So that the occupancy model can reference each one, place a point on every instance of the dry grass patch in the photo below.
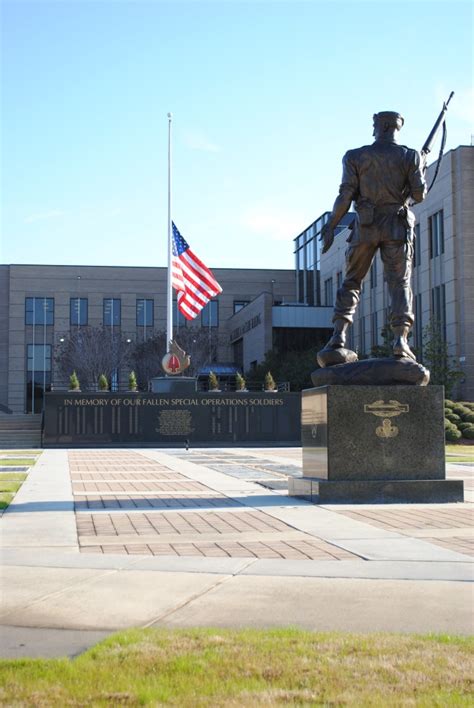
(206, 667)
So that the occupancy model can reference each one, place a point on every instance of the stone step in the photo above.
(17, 423)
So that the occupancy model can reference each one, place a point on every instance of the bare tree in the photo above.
(146, 358)
(92, 351)
(200, 343)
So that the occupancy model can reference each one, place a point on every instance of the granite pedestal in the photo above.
(374, 444)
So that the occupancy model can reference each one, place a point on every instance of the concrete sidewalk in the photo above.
(100, 540)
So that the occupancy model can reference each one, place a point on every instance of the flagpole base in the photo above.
(173, 384)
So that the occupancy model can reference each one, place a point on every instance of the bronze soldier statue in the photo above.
(381, 179)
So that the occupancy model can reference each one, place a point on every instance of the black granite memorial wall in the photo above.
(160, 420)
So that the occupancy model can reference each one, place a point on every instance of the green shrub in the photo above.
(460, 409)
(448, 403)
(468, 404)
(448, 424)
(213, 382)
(132, 381)
(103, 383)
(240, 384)
(452, 434)
(468, 432)
(463, 426)
(74, 382)
(453, 418)
(270, 384)
(468, 418)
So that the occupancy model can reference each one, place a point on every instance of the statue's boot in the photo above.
(339, 336)
(335, 351)
(400, 344)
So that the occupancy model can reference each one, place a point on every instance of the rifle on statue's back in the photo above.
(426, 149)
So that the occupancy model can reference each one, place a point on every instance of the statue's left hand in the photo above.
(327, 237)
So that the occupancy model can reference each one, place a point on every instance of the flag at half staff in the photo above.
(194, 282)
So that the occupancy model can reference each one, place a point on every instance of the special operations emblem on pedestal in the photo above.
(175, 361)
(386, 411)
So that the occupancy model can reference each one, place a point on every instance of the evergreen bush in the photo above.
(448, 403)
(468, 432)
(452, 434)
(240, 384)
(460, 410)
(453, 417)
(213, 382)
(463, 426)
(103, 383)
(469, 418)
(132, 381)
(74, 382)
(270, 384)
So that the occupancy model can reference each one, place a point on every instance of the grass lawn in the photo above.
(12, 477)
(5, 499)
(10, 482)
(460, 449)
(9, 452)
(216, 667)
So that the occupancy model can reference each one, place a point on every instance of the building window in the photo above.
(39, 310)
(373, 274)
(375, 329)
(436, 231)
(239, 305)
(114, 380)
(210, 314)
(339, 279)
(78, 309)
(144, 313)
(112, 312)
(238, 348)
(38, 376)
(438, 307)
(328, 295)
(179, 320)
(417, 247)
(362, 335)
(418, 331)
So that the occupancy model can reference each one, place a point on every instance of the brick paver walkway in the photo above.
(451, 527)
(135, 495)
(127, 503)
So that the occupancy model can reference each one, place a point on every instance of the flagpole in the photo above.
(169, 311)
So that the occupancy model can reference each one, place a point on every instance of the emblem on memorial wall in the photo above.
(386, 411)
(175, 361)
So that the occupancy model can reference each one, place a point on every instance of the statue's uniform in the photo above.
(380, 178)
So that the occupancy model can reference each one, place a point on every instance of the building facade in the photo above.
(443, 272)
(40, 304)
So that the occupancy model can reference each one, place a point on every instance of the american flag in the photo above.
(191, 278)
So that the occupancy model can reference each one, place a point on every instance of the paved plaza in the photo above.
(100, 540)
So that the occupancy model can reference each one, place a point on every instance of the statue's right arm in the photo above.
(347, 193)
(347, 190)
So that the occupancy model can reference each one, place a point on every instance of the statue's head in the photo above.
(386, 123)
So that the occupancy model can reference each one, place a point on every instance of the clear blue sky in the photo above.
(266, 97)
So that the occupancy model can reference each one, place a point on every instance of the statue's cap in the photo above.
(392, 118)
